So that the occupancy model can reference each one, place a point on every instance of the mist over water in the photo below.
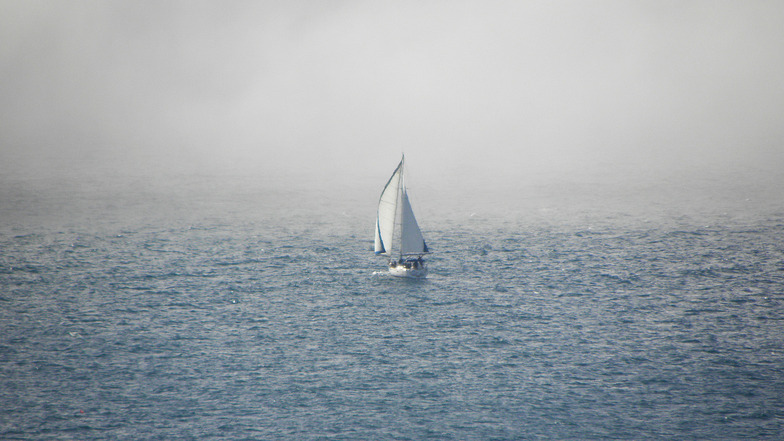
(188, 194)
(703, 198)
(473, 92)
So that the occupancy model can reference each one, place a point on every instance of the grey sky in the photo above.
(501, 87)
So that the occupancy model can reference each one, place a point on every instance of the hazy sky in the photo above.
(502, 87)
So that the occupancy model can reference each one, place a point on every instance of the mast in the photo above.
(398, 205)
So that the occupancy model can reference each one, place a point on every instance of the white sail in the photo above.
(411, 240)
(397, 232)
(387, 209)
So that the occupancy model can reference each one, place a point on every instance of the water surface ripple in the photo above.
(284, 330)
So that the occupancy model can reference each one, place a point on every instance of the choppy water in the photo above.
(154, 317)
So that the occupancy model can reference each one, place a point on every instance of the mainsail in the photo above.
(394, 209)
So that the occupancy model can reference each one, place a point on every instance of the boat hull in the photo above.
(402, 271)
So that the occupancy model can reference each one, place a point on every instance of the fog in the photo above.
(481, 95)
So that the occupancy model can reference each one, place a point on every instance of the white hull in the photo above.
(402, 271)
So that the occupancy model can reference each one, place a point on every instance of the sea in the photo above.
(237, 308)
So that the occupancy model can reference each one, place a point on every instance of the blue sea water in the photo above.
(144, 311)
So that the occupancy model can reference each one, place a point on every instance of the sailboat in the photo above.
(397, 233)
